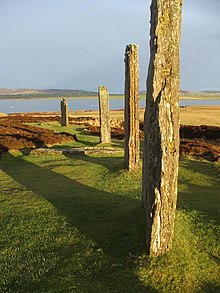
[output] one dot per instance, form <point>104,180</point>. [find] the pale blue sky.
<point>79,44</point>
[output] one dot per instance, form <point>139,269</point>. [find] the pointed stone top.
<point>132,46</point>
<point>102,87</point>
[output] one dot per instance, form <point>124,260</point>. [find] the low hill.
<point>45,92</point>
<point>26,93</point>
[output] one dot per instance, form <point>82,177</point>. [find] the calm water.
<point>16,106</point>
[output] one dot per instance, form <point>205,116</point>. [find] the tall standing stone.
<point>161,126</point>
<point>64,113</point>
<point>104,115</point>
<point>131,113</point>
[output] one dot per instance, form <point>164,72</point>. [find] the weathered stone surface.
<point>104,115</point>
<point>64,113</point>
<point>131,113</point>
<point>82,150</point>
<point>161,146</point>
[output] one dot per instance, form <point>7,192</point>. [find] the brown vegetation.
<point>200,141</point>
<point>15,135</point>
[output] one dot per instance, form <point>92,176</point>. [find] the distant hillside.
<point>212,92</point>
<point>69,92</point>
<point>6,93</point>
<point>46,92</point>
<point>186,93</point>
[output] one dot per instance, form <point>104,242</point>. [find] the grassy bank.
<point>75,224</point>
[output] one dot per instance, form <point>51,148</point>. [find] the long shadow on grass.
<point>115,223</point>
<point>113,164</point>
<point>204,199</point>
<point>112,221</point>
<point>209,287</point>
<point>202,167</point>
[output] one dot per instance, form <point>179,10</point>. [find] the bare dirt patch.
<point>200,141</point>
<point>15,135</point>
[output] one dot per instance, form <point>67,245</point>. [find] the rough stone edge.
<point>85,150</point>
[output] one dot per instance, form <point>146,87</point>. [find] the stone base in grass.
<point>82,150</point>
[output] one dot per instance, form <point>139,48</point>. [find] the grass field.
<point>75,224</point>
<point>190,115</point>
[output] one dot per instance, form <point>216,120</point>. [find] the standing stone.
<point>104,115</point>
<point>161,126</point>
<point>64,113</point>
<point>131,113</point>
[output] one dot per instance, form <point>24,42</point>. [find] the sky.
<point>80,44</point>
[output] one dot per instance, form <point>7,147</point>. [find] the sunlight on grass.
<point>75,224</point>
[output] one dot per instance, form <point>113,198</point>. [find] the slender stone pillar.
<point>64,113</point>
<point>161,126</point>
<point>104,115</point>
<point>131,113</point>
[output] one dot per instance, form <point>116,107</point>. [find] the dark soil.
<point>40,118</point>
<point>15,135</point>
<point>200,148</point>
<point>200,141</point>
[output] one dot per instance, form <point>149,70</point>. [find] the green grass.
<point>75,224</point>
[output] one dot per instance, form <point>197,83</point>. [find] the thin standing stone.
<point>64,113</point>
<point>104,115</point>
<point>161,145</point>
<point>131,124</point>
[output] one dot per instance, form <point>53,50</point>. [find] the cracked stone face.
<point>131,114</point>
<point>161,145</point>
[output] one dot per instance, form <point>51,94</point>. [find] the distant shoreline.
<point>190,115</point>
<point>112,97</point>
